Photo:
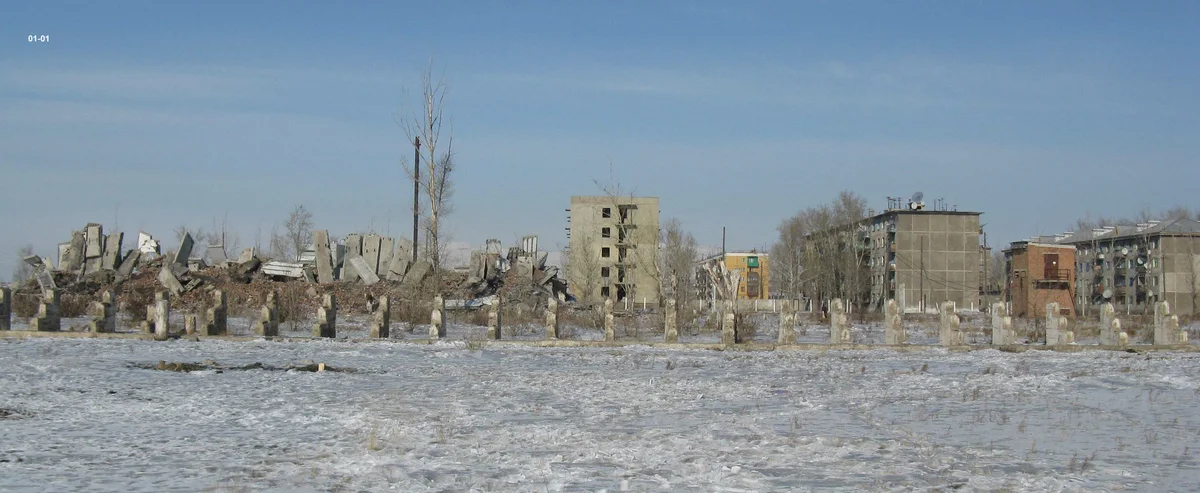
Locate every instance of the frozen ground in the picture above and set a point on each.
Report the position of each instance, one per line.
(81, 415)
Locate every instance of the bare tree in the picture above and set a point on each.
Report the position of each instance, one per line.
(23, 271)
(583, 268)
(787, 256)
(423, 128)
(678, 257)
(296, 237)
(819, 251)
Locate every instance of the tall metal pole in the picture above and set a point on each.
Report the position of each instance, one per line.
(416, 192)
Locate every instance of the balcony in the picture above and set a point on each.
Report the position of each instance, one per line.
(1056, 275)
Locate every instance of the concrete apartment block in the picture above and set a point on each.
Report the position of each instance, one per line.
(612, 240)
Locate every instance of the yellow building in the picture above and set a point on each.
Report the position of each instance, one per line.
(753, 271)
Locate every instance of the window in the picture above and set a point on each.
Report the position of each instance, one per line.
(606, 232)
(604, 292)
(604, 272)
(606, 212)
(605, 252)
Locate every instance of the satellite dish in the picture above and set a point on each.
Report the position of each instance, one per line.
(1124, 251)
(1107, 293)
(1141, 260)
(917, 197)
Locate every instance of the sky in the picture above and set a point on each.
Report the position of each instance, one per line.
(155, 115)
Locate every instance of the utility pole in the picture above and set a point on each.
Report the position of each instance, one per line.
(987, 274)
(416, 192)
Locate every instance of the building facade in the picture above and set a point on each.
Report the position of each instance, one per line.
(753, 270)
(1134, 266)
(613, 248)
(922, 258)
(1039, 274)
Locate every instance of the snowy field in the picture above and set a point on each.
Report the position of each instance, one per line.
(86, 415)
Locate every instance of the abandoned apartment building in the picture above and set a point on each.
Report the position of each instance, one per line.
(920, 257)
(1039, 273)
(613, 244)
(1134, 266)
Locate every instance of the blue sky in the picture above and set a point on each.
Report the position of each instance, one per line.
(152, 115)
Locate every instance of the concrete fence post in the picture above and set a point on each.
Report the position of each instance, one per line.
(216, 317)
(381, 317)
(268, 317)
(893, 324)
(1057, 332)
(670, 325)
(47, 318)
(5, 308)
(103, 314)
(493, 319)
(1002, 331)
(552, 318)
(787, 323)
(839, 322)
(950, 326)
(162, 318)
(437, 320)
(610, 330)
(326, 325)
(1166, 326)
(1110, 327)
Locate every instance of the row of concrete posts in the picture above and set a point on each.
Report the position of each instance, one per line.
(103, 313)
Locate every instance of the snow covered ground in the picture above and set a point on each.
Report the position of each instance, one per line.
(83, 415)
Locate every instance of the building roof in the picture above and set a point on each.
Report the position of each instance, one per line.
(1171, 227)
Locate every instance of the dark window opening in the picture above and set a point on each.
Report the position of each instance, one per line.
(606, 232)
(605, 252)
(606, 212)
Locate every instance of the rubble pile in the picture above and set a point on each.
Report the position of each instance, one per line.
(361, 267)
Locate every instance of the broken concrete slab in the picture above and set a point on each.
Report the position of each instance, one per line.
(552, 318)
(363, 271)
(398, 268)
(148, 245)
(169, 281)
(493, 319)
(671, 327)
(45, 281)
(246, 255)
(126, 268)
(112, 251)
(1002, 329)
(74, 259)
(386, 247)
(93, 247)
(283, 269)
(416, 274)
(1166, 326)
(371, 247)
(404, 248)
(324, 258)
(354, 247)
(185, 250)
(162, 318)
(216, 255)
